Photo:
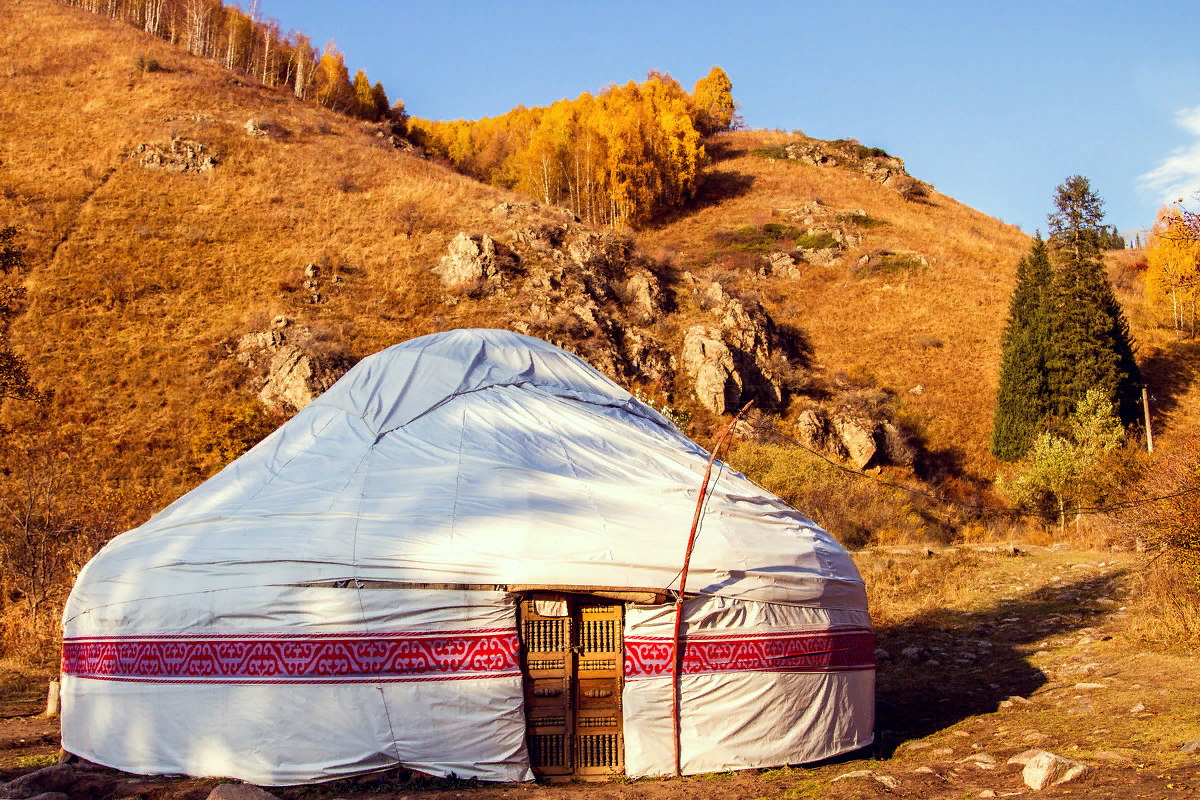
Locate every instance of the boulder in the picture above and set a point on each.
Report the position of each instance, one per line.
(469, 260)
(292, 375)
(814, 431)
(781, 265)
(1046, 769)
(820, 257)
(709, 361)
(253, 128)
(294, 379)
(643, 293)
(858, 440)
(56, 779)
(600, 251)
(180, 155)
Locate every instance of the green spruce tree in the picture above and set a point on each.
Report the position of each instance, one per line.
(1022, 398)
(1091, 346)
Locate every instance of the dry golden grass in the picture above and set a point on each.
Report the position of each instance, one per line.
(138, 274)
(878, 325)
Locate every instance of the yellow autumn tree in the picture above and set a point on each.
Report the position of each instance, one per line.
(332, 81)
(1173, 255)
(712, 101)
(618, 158)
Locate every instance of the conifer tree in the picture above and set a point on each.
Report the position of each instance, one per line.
(1022, 399)
(1091, 343)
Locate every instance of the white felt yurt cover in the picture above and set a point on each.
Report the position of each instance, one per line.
(232, 634)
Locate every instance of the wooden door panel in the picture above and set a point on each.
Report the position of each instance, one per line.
(574, 668)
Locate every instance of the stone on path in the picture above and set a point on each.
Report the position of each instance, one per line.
(1047, 769)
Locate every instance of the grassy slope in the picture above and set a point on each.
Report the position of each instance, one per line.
(876, 324)
(139, 276)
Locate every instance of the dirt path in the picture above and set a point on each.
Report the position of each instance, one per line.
(1035, 653)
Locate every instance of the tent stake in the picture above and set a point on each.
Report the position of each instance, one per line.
(676, 656)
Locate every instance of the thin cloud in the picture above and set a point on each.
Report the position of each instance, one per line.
(1178, 175)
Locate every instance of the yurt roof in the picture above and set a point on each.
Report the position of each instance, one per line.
(476, 457)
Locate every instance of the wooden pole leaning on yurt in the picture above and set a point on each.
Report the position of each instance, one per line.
(676, 650)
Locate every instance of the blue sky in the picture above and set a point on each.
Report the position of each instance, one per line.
(995, 104)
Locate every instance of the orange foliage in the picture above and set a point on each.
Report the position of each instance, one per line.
(617, 158)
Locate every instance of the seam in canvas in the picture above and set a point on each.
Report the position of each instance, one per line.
(282, 467)
(462, 435)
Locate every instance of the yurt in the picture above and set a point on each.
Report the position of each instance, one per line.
(463, 559)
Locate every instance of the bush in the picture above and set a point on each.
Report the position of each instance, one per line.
(816, 241)
(913, 190)
(774, 151)
(1171, 525)
(856, 511)
(860, 220)
(750, 239)
(144, 64)
(860, 151)
(225, 432)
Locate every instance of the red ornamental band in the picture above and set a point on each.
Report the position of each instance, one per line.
(269, 658)
(820, 651)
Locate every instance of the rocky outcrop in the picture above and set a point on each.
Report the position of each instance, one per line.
(811, 153)
(470, 259)
(876, 165)
(180, 155)
(643, 294)
(861, 439)
(710, 363)
(759, 352)
(290, 375)
(779, 265)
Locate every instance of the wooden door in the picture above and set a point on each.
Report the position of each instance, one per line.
(574, 666)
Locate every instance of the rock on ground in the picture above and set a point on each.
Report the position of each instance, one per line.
(1047, 769)
(57, 779)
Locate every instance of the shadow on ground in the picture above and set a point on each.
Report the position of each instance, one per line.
(966, 663)
(1169, 372)
(716, 187)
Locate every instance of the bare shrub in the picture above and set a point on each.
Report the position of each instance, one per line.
(927, 341)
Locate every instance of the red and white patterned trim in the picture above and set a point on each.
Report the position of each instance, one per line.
(838, 650)
(282, 658)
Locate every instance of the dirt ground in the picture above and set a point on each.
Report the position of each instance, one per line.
(1036, 654)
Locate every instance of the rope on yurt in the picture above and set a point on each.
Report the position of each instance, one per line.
(676, 654)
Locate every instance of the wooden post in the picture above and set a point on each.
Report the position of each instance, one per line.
(1149, 431)
(677, 651)
(52, 700)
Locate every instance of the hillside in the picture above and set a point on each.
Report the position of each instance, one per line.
(934, 326)
(187, 228)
